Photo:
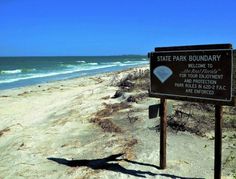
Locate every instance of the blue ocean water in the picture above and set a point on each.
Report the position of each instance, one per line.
(24, 71)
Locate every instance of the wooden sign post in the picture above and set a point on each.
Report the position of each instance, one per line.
(218, 140)
(201, 73)
(163, 135)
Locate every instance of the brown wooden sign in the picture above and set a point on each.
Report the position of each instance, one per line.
(195, 73)
(202, 73)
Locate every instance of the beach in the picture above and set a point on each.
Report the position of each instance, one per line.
(99, 127)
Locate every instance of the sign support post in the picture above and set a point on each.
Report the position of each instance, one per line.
(218, 140)
(163, 126)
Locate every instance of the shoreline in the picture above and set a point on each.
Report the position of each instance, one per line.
(103, 72)
(91, 118)
(36, 70)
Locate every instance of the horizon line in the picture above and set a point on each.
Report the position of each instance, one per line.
(75, 55)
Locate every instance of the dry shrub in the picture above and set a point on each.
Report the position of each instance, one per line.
(229, 124)
(106, 125)
(111, 109)
(190, 124)
(105, 97)
(118, 94)
(204, 107)
(4, 96)
(128, 148)
(126, 85)
(131, 143)
(97, 79)
(137, 79)
(101, 117)
(4, 131)
(131, 99)
(138, 97)
(198, 118)
(132, 119)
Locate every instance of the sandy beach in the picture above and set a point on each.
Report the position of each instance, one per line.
(98, 127)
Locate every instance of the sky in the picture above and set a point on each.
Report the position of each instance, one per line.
(111, 27)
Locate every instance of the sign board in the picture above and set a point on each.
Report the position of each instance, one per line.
(196, 73)
(202, 73)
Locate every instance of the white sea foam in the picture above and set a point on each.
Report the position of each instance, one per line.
(70, 66)
(135, 62)
(127, 62)
(70, 69)
(116, 63)
(81, 61)
(92, 63)
(41, 75)
(11, 71)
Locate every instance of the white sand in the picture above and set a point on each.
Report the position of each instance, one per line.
(53, 121)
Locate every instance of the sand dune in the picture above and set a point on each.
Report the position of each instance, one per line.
(80, 129)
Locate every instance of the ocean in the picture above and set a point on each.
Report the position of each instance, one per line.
(23, 71)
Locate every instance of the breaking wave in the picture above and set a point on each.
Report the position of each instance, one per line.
(64, 68)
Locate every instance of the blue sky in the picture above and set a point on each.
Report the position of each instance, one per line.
(111, 27)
